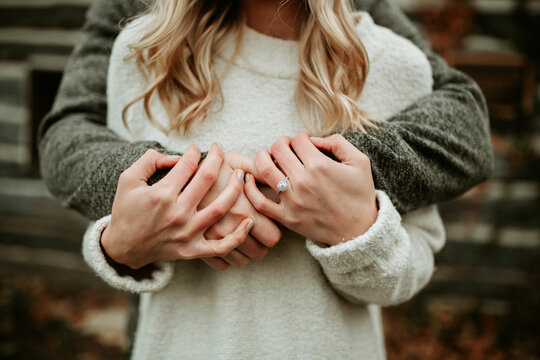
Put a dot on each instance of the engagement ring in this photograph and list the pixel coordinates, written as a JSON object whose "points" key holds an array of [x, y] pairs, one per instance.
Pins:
{"points": [[283, 185]]}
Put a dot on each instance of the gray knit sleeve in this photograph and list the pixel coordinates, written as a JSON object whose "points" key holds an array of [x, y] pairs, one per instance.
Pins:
{"points": [[439, 146], [81, 159]]}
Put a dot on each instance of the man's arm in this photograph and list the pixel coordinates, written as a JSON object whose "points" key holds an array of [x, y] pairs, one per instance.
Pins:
{"points": [[81, 159], [437, 148]]}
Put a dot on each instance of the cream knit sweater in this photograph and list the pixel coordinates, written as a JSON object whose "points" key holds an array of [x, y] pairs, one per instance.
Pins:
{"points": [[301, 301]]}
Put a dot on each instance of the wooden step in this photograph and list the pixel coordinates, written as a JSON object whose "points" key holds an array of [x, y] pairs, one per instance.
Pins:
{"points": [[18, 43], [68, 15]]}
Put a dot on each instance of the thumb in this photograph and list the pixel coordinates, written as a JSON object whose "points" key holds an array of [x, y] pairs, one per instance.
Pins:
{"points": [[338, 146]]}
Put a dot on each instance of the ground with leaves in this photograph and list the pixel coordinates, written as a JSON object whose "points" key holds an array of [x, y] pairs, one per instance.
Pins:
{"points": [[40, 321]]}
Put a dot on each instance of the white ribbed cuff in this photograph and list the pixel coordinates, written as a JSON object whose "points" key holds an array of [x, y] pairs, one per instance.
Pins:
{"points": [[94, 257]]}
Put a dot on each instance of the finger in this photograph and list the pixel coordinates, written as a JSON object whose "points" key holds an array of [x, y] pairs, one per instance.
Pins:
{"points": [[216, 263], [222, 204], [252, 248], [239, 161], [236, 258], [179, 175], [306, 151], [260, 202], [286, 159], [265, 232], [267, 170], [204, 178], [342, 149], [147, 164], [222, 247]]}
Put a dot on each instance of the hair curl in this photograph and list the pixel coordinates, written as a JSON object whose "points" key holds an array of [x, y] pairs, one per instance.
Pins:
{"points": [[185, 35]]}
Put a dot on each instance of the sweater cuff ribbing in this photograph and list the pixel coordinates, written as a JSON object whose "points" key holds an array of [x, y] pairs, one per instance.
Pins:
{"points": [[95, 258], [362, 251]]}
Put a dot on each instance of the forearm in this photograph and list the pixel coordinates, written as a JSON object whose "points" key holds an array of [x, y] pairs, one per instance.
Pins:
{"points": [[438, 147], [81, 159]]}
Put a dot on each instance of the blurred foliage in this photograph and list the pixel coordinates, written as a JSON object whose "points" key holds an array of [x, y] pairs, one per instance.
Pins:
{"points": [[35, 324], [417, 330]]}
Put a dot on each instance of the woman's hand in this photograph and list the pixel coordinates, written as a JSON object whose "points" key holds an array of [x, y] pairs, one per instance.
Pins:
{"points": [[326, 201], [161, 222], [264, 233]]}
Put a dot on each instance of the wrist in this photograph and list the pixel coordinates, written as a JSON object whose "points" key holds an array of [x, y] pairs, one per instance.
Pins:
{"points": [[142, 273], [369, 217], [106, 244]]}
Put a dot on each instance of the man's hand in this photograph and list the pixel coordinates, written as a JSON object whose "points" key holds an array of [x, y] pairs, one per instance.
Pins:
{"points": [[162, 221]]}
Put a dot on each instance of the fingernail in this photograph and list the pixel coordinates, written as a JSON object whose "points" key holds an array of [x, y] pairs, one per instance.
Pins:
{"points": [[240, 175], [316, 138], [174, 157], [248, 176], [250, 226], [219, 145]]}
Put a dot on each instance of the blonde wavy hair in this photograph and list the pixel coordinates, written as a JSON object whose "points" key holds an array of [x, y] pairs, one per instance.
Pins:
{"points": [[185, 35]]}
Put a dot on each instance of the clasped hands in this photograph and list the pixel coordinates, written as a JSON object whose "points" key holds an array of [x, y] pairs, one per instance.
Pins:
{"points": [[215, 211]]}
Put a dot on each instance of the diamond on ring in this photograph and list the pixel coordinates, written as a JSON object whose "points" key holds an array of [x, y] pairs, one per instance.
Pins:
{"points": [[282, 185]]}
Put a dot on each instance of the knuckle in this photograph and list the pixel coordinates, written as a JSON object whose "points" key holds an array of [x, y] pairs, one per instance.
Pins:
{"points": [[260, 205], [177, 218], [266, 171], [282, 141], [178, 237], [208, 177], [150, 153], [189, 164], [155, 197], [160, 196], [217, 213], [294, 140], [181, 216], [364, 160], [301, 183], [318, 167], [275, 147], [124, 176], [298, 138], [261, 157]]}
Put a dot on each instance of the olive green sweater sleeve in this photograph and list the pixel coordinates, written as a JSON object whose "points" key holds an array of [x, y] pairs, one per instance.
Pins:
{"points": [[438, 147], [81, 159], [424, 155]]}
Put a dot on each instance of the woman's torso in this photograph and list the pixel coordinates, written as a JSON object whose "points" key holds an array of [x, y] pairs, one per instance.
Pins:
{"points": [[280, 306]]}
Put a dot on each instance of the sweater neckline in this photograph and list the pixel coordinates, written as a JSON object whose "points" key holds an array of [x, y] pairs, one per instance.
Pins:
{"points": [[265, 55], [273, 57]]}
